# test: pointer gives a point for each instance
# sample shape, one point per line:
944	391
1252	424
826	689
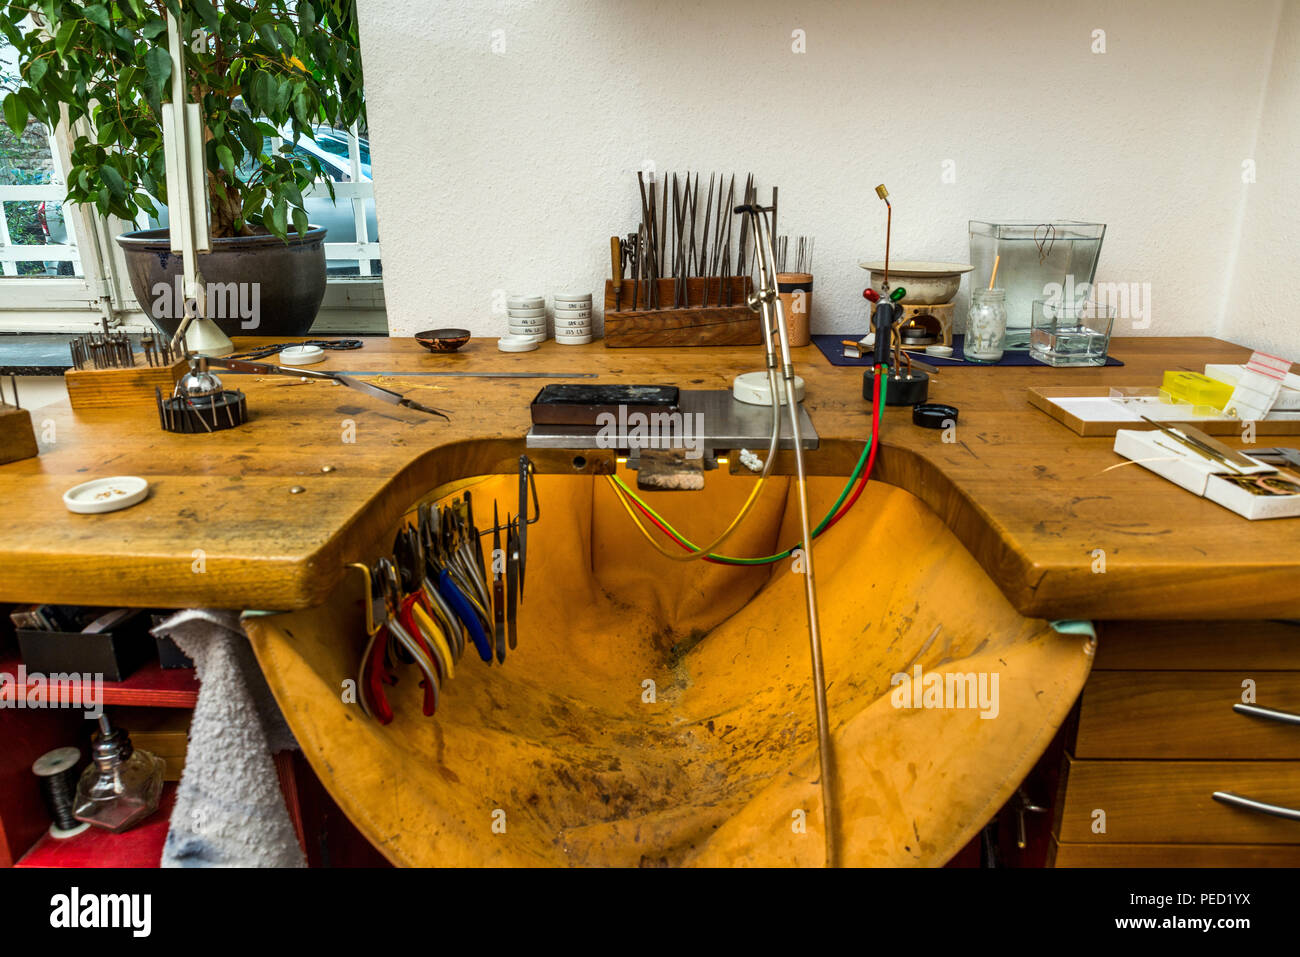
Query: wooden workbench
1029	498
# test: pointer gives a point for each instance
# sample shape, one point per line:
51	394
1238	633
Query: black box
169	655
115	653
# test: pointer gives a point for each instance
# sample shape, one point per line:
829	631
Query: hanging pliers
399	627
441	577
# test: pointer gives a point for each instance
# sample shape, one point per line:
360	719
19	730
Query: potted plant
259	70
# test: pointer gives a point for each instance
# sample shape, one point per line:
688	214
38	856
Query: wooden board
697	325
1031	500
1045	398
114	388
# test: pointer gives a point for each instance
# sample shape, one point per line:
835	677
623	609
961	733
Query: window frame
58	304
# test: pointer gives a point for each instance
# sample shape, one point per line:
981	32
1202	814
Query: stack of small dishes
527	315
573	319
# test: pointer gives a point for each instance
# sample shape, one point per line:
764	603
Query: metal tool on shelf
360	385
113	350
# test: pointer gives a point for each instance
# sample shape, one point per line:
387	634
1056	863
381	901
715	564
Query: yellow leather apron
658	712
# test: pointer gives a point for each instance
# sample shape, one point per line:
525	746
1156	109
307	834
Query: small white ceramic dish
105	494
753	388
516	344
301	355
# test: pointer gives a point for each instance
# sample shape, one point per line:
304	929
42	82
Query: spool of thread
56	774
795	292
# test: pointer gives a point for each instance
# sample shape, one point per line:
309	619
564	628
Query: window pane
31	197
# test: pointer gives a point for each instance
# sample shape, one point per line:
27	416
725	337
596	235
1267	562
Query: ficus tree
259	70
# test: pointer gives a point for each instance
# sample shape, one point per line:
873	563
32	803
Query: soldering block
17	437
115	388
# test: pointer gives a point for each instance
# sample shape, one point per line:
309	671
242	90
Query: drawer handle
1270	714
1259	807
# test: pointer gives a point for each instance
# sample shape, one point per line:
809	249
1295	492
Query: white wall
1263	312
511	170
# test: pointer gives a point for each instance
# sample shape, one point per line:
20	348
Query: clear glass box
1070	333
1043	260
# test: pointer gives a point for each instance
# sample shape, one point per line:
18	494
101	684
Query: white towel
229	808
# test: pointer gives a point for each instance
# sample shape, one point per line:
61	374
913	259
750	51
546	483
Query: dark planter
257	285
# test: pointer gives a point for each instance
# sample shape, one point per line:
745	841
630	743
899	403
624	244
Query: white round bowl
927	283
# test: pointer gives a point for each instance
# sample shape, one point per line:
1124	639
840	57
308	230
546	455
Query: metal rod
770	303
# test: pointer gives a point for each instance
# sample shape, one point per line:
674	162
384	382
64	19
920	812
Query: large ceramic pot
256	285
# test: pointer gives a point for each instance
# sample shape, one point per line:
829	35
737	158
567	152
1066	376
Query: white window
47	285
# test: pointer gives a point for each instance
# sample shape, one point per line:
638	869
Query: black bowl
442	340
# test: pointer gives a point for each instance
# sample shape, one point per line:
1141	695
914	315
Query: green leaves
113	180
226	157
15	113
209	15
98	14
158	64
267	69
63	38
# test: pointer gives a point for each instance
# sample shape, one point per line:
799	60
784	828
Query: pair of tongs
369	388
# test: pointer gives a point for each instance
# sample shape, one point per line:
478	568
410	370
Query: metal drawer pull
1272	714
1250	804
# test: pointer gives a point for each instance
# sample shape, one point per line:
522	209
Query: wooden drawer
1197	645
1174	855
1186	714
1168	802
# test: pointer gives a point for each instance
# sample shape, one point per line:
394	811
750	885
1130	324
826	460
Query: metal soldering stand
765	301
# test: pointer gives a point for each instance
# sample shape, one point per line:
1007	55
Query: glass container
1070	334
986	326
1035	260
121	786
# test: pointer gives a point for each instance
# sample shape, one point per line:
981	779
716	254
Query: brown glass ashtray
442	340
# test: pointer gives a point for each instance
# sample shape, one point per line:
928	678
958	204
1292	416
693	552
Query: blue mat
833	350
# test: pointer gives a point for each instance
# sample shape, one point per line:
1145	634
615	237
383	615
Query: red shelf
142	846
150	686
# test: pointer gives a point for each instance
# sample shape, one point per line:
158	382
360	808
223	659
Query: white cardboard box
1159	453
